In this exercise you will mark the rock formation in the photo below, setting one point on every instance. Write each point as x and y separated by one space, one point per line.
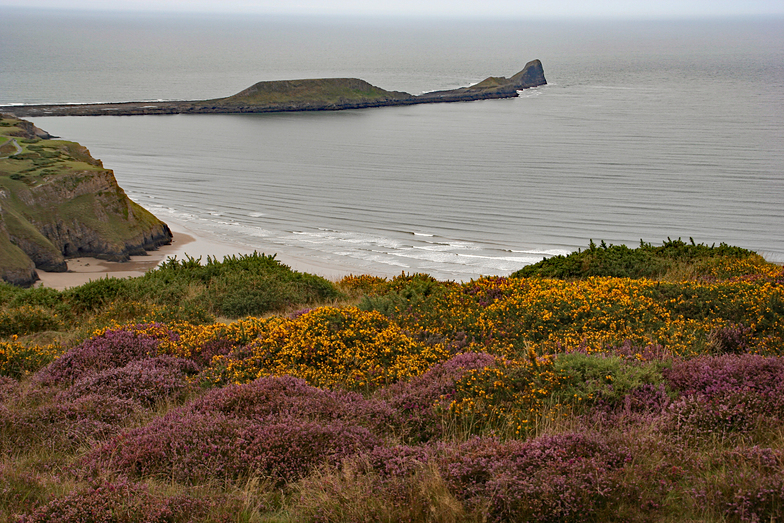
327 94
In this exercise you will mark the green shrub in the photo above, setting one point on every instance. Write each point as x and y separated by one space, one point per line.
27 319
97 293
586 378
646 261
237 286
403 294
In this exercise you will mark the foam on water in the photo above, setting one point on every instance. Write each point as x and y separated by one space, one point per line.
612 149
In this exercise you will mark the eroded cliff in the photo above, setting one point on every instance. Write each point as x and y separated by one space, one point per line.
57 201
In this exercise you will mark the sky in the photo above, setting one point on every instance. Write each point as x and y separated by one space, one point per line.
433 8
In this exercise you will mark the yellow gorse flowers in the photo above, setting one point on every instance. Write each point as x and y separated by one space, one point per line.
598 313
18 359
330 347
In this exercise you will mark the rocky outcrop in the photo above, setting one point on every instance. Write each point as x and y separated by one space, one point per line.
326 94
58 202
532 75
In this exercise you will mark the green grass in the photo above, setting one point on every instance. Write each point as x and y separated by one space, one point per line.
328 90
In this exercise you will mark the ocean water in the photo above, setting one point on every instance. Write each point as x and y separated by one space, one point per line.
647 130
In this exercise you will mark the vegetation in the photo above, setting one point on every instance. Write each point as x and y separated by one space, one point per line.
311 91
675 259
240 390
54 185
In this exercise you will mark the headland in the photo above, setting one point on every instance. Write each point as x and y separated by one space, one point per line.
326 94
58 202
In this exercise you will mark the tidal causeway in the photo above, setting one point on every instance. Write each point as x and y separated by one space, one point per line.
326 94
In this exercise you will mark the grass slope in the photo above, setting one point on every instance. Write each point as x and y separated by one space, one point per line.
317 91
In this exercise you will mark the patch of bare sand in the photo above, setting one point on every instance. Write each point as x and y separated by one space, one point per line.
185 243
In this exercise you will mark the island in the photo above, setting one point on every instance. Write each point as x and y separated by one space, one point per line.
58 202
326 94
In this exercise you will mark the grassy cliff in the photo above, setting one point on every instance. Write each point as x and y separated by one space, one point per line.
57 201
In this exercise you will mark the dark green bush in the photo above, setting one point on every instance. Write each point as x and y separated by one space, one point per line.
238 286
620 261
97 293
27 319
403 293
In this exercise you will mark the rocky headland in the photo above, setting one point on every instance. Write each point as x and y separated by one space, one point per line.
58 202
328 94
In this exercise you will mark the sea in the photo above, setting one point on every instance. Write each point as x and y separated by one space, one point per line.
647 130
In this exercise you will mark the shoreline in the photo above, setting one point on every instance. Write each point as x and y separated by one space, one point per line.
185 242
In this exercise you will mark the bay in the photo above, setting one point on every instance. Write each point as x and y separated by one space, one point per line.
647 130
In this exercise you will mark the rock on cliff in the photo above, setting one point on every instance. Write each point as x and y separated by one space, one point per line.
57 201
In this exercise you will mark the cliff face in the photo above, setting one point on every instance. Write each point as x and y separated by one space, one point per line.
57 201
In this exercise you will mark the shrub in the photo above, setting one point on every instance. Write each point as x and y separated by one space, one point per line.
727 373
726 394
27 319
401 294
585 378
287 396
199 447
18 360
237 286
97 293
111 349
566 477
424 400
146 381
65 424
646 261
329 347
118 501
277 427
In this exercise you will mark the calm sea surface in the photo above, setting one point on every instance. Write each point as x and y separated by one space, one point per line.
647 130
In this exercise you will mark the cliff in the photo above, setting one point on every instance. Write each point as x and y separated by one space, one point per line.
57 201
326 94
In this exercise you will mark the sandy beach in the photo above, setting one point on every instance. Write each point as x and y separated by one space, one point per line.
185 242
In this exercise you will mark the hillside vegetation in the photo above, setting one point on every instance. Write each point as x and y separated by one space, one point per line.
57 201
613 384
324 90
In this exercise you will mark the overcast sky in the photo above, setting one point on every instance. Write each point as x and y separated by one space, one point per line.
434 8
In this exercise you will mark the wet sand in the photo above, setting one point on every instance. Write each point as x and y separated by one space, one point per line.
185 242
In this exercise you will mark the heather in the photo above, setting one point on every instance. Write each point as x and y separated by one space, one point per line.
592 396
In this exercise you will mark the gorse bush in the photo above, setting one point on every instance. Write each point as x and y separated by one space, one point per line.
329 347
18 360
646 261
577 398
